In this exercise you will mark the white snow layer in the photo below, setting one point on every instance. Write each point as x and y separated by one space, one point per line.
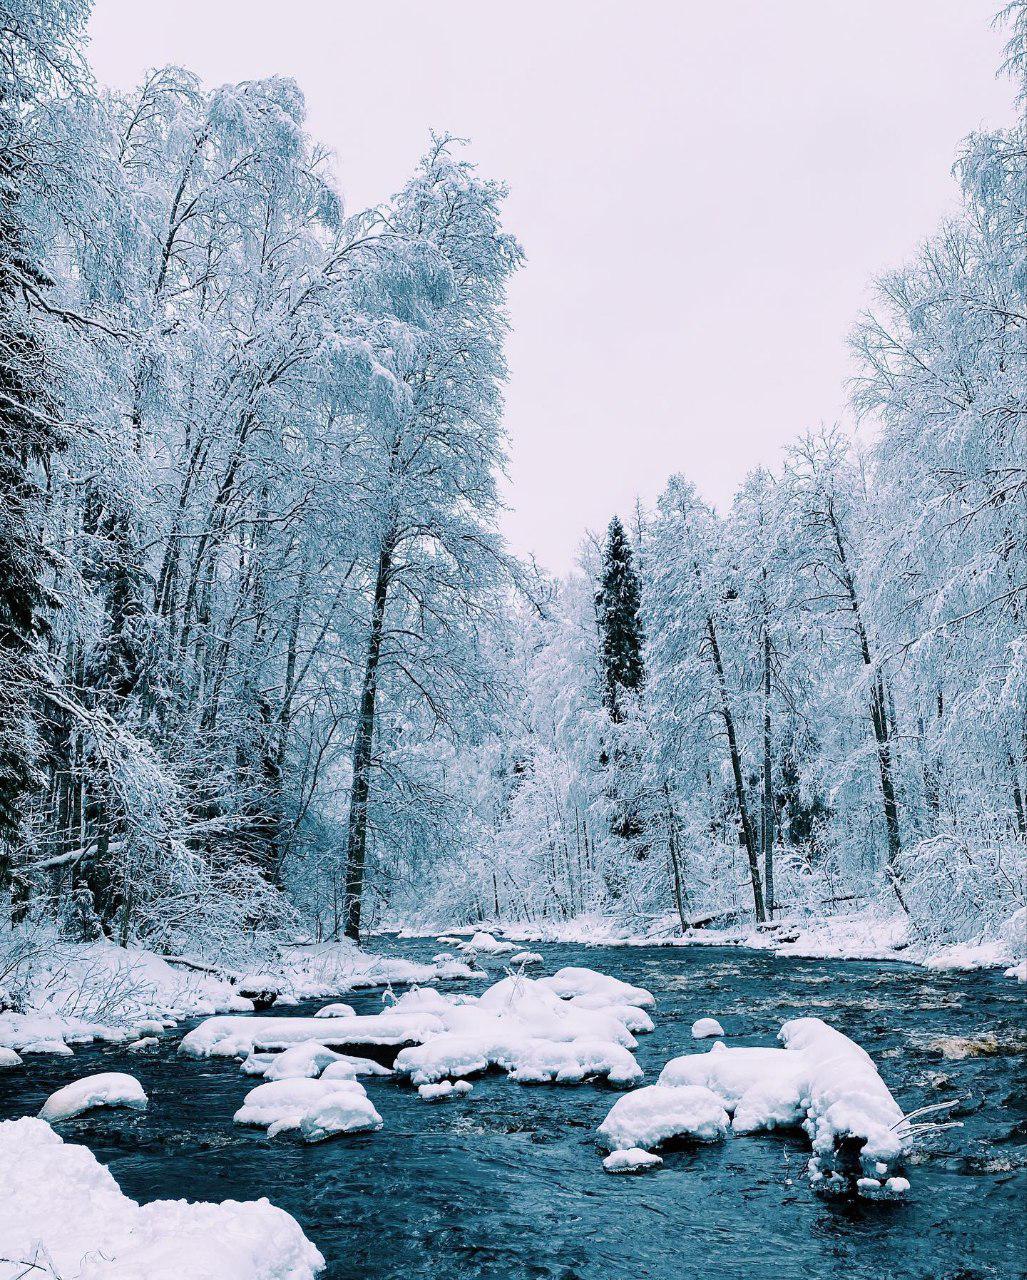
653 1115
62 1213
633 1160
520 1025
105 1089
318 1108
821 1080
703 1028
587 982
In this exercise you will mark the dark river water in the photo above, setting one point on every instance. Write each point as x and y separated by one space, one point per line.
508 1182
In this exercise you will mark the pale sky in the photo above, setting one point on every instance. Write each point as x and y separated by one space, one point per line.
704 190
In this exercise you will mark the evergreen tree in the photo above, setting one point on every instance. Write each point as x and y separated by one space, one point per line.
620 628
38 48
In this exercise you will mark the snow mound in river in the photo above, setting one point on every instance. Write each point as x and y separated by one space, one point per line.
232 1037
654 1115
821 1080
571 982
704 1028
106 1089
62 1213
523 1027
317 1108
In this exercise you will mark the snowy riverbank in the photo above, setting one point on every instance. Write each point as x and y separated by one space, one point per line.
871 934
57 994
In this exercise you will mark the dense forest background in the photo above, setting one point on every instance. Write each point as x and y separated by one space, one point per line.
265 663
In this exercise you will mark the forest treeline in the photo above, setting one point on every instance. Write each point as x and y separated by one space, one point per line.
265 662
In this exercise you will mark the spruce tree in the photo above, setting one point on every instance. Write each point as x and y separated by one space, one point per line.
38 49
620 628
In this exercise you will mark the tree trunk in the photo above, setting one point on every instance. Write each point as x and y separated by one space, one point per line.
675 860
748 834
768 782
878 707
363 741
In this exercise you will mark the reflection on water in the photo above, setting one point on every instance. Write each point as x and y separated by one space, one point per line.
508 1183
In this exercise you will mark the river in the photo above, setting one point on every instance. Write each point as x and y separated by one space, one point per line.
508 1182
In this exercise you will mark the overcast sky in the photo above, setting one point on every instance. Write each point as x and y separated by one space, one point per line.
703 189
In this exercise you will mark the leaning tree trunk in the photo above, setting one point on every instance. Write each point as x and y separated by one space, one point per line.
768 782
878 712
748 834
363 742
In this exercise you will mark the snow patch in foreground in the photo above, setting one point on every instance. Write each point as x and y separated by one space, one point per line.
821 1080
105 1089
63 1212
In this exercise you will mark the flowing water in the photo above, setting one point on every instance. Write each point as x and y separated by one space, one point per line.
507 1183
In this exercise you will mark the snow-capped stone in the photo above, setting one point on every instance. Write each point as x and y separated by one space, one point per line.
632 1160
584 982
348 1067
8 1058
337 1010
821 1079
444 1090
143 1045
762 1088
526 958
231 1037
56 1047
306 1059
58 1203
487 945
657 1113
340 1112
105 1089
704 1028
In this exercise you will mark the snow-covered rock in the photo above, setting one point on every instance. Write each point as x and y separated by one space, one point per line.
635 1019
231 1037
704 1028
144 1045
340 1112
525 958
821 1080
484 944
305 1059
105 1089
63 1214
762 1088
8 1058
632 1160
587 982
336 1011
318 1108
651 1116
348 1067
522 1027
444 1090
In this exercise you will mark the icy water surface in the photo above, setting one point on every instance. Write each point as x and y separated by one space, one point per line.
508 1183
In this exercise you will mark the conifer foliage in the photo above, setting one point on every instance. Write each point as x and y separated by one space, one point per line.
618 600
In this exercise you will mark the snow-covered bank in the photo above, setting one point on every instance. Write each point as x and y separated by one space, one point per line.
875 933
59 994
63 1214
